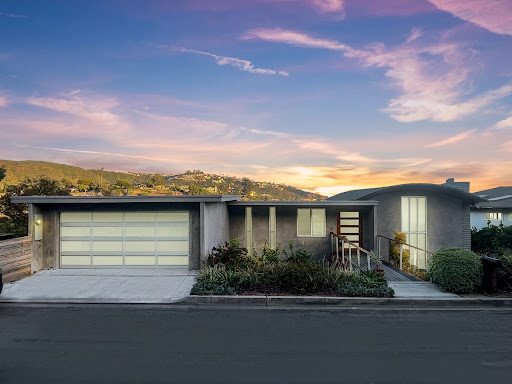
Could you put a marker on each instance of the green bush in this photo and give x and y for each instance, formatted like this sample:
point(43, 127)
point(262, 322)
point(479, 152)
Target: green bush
point(456, 270)
point(491, 239)
point(268, 256)
point(505, 273)
point(231, 254)
point(299, 256)
point(394, 251)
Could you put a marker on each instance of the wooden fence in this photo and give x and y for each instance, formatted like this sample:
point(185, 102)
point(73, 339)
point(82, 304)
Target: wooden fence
point(15, 255)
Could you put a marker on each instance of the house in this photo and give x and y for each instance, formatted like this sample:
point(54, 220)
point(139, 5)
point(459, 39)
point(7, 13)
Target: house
point(496, 210)
point(180, 231)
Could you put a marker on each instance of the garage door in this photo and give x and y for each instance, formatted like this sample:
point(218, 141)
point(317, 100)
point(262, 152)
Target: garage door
point(124, 239)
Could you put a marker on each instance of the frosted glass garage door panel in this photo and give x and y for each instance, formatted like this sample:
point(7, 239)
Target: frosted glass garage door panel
point(75, 217)
point(75, 260)
point(140, 260)
point(75, 246)
point(107, 217)
point(172, 260)
point(108, 246)
point(173, 246)
point(140, 217)
point(173, 231)
point(75, 231)
point(107, 260)
point(140, 246)
point(172, 216)
point(140, 231)
point(107, 231)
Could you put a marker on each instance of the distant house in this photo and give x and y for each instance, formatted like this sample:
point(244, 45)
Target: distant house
point(496, 210)
point(180, 231)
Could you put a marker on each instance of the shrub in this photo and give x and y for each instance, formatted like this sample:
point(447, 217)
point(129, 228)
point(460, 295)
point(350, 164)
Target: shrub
point(456, 270)
point(268, 256)
point(373, 278)
point(299, 256)
point(491, 239)
point(505, 273)
point(394, 251)
point(231, 254)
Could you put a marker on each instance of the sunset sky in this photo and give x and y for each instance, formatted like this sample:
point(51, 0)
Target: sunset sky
point(324, 95)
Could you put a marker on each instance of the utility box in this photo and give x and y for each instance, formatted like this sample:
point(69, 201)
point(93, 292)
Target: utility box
point(491, 265)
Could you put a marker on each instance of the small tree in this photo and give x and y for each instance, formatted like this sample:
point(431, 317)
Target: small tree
point(2, 172)
point(18, 213)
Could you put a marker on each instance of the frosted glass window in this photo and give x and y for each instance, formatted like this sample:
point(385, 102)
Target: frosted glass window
point(107, 260)
point(75, 246)
point(140, 231)
point(413, 214)
point(272, 228)
point(172, 216)
point(493, 215)
point(318, 222)
point(347, 215)
point(304, 222)
point(75, 231)
point(75, 217)
point(108, 246)
point(107, 217)
point(140, 217)
point(140, 246)
point(248, 229)
point(414, 225)
point(75, 260)
point(311, 222)
point(173, 231)
point(173, 246)
point(107, 231)
point(349, 222)
point(140, 260)
point(172, 260)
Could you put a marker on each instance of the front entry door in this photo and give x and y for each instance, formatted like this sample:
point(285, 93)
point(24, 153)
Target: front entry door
point(350, 225)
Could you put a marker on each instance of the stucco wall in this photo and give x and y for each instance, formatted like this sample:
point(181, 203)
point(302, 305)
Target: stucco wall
point(447, 219)
point(46, 252)
point(286, 228)
point(215, 226)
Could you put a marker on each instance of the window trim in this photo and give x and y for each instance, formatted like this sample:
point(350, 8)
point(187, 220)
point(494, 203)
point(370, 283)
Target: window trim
point(311, 223)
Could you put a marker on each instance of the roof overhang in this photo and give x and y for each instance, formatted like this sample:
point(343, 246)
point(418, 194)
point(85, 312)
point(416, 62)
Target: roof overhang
point(457, 193)
point(123, 199)
point(305, 203)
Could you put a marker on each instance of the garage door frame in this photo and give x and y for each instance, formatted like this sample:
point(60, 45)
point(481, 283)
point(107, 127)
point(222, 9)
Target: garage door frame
point(124, 224)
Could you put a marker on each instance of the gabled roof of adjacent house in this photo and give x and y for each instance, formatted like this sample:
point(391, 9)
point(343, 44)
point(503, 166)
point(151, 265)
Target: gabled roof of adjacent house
point(499, 197)
point(495, 192)
point(366, 194)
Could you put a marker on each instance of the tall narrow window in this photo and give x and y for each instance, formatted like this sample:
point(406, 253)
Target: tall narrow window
point(248, 229)
point(311, 222)
point(414, 225)
point(272, 228)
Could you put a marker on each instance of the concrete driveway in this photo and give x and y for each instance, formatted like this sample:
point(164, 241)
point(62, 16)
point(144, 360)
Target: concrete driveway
point(102, 286)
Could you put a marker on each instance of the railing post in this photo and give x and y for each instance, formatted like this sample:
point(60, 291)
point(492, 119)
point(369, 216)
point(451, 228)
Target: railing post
point(343, 250)
point(401, 254)
point(415, 261)
point(426, 261)
point(378, 247)
point(337, 249)
point(368, 261)
point(358, 258)
point(350, 255)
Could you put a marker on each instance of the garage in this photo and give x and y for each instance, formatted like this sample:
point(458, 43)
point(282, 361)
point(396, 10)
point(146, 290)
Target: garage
point(124, 239)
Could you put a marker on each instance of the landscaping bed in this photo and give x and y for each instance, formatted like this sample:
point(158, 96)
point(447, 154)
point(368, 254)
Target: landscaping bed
point(230, 271)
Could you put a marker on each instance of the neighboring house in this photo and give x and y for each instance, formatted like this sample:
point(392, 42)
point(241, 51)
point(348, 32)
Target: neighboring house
point(180, 231)
point(496, 210)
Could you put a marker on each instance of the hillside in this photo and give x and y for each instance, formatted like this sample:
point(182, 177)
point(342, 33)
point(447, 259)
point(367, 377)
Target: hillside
point(191, 182)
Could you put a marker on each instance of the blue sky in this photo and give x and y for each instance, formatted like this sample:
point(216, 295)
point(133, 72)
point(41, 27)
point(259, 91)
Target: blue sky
point(325, 95)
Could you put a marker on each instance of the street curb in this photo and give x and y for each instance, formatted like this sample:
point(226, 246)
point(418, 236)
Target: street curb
point(269, 301)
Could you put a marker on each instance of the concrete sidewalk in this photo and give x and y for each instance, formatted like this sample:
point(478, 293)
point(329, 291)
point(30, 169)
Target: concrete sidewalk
point(419, 289)
point(102, 286)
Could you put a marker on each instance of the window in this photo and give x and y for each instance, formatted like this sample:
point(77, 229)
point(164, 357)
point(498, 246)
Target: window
point(414, 225)
point(248, 229)
point(311, 222)
point(272, 228)
point(493, 215)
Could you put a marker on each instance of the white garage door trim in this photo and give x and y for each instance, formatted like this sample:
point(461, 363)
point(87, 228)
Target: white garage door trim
point(124, 239)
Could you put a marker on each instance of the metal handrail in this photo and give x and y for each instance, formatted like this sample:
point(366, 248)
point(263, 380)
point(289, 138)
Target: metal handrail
point(401, 252)
point(350, 245)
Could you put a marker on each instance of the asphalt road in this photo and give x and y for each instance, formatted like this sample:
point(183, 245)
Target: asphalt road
point(88, 344)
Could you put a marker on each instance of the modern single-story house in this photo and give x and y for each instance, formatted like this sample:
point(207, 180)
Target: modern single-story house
point(180, 231)
point(496, 210)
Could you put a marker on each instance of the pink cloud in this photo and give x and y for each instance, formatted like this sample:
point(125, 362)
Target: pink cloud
point(434, 78)
point(452, 140)
point(361, 8)
point(493, 15)
point(3, 101)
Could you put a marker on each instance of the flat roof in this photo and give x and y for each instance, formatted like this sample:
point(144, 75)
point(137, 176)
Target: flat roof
point(123, 199)
point(325, 203)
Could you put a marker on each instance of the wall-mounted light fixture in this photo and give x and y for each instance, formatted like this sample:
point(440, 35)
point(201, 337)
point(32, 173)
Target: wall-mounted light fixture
point(38, 227)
